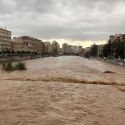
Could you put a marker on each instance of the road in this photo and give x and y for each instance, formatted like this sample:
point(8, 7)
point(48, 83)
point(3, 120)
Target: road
point(66, 90)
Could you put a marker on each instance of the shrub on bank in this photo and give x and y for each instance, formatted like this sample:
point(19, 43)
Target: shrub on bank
point(87, 54)
point(11, 66)
point(7, 66)
point(20, 66)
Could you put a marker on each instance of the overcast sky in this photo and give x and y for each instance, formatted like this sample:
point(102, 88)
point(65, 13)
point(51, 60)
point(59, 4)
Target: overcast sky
point(75, 21)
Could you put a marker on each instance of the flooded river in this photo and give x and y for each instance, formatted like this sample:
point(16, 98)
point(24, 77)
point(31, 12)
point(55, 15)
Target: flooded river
point(66, 90)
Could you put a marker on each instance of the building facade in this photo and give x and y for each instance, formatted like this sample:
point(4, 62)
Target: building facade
point(100, 50)
point(55, 48)
point(66, 49)
point(81, 51)
point(117, 37)
point(5, 40)
point(28, 44)
point(49, 49)
point(71, 50)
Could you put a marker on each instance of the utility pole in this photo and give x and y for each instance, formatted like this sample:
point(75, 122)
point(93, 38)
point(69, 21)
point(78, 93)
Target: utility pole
point(111, 50)
point(124, 54)
point(124, 51)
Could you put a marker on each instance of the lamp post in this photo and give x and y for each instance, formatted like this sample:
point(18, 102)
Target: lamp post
point(111, 50)
point(124, 53)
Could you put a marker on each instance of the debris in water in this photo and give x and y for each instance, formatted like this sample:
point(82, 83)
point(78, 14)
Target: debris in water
point(108, 71)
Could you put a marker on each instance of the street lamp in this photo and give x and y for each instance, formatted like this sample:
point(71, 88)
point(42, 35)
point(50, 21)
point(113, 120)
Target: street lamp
point(111, 49)
point(124, 53)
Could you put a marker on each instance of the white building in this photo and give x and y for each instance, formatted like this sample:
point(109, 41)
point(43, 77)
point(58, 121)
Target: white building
point(70, 49)
point(55, 47)
point(5, 40)
point(48, 46)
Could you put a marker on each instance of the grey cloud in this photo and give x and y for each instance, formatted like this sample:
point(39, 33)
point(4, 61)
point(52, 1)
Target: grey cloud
point(39, 6)
point(64, 19)
point(6, 6)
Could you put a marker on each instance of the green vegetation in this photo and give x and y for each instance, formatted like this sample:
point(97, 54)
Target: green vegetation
point(115, 49)
point(12, 66)
point(20, 66)
point(94, 50)
point(87, 54)
point(107, 50)
point(7, 66)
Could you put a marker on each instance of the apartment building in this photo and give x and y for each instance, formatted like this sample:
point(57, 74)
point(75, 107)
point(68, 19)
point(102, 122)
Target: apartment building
point(117, 37)
point(71, 49)
point(5, 40)
point(66, 49)
point(27, 44)
point(49, 49)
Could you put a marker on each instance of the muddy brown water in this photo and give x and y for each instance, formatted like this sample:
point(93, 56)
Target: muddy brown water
point(66, 90)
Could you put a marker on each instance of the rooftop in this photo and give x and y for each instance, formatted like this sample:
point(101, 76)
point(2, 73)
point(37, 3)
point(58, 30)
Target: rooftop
point(4, 29)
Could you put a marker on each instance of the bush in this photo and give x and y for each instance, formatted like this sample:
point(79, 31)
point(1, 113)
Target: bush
point(87, 54)
point(20, 66)
point(9, 66)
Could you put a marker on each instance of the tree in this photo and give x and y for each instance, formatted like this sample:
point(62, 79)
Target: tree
point(94, 50)
point(118, 48)
point(107, 50)
point(114, 49)
point(87, 54)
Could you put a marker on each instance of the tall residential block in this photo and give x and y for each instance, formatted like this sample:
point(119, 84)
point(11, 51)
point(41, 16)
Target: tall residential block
point(5, 40)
